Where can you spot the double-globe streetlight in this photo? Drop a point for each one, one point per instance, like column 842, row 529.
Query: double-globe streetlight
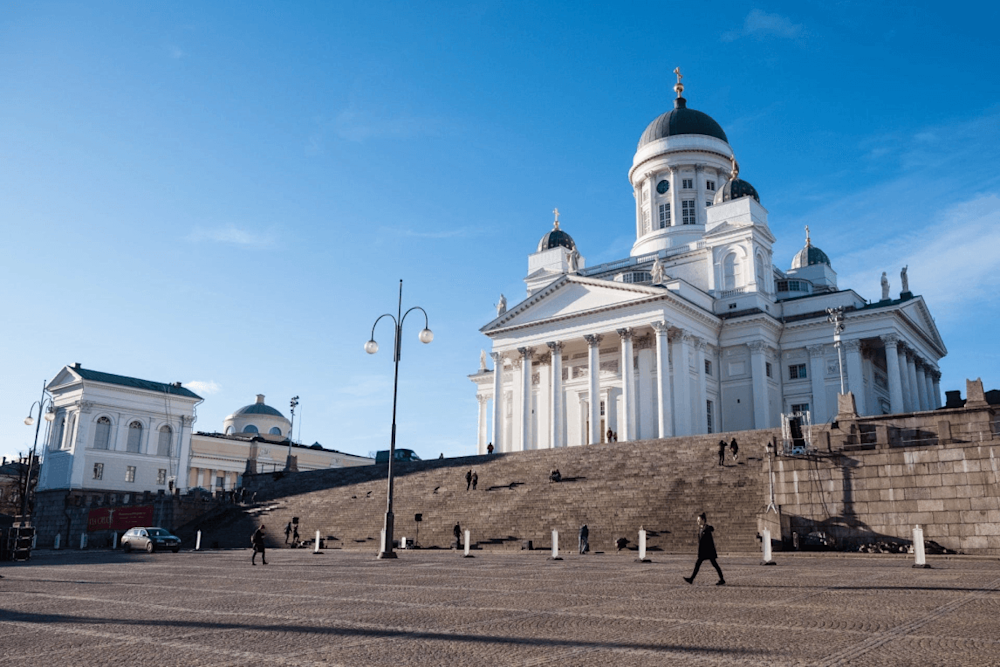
column 48, row 415
column 371, row 347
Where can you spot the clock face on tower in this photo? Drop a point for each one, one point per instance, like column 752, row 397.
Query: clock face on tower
column 662, row 187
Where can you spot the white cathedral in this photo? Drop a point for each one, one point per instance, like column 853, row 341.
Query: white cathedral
column 696, row 331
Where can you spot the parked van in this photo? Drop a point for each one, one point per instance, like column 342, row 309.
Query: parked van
column 401, row 455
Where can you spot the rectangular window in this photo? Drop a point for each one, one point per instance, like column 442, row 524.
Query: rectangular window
column 664, row 215
column 602, row 408
column 687, row 212
column 707, row 204
column 767, row 368
column 220, row 482
column 645, row 220
column 687, row 184
column 130, row 474
column 708, row 367
column 708, row 415
column 797, row 372
column 161, row 476
column 800, row 407
column 710, row 185
column 98, row 471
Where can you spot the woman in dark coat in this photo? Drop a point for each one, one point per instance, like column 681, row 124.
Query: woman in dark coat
column 706, row 550
column 257, row 541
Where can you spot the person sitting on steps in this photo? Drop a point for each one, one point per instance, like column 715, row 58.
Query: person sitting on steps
column 555, row 476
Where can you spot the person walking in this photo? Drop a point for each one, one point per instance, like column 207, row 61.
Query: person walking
column 722, row 452
column 475, row 480
column 295, row 534
column 458, row 536
column 734, row 449
column 288, row 531
column 468, row 480
column 489, row 449
column 584, row 539
column 706, row 551
column 257, row 540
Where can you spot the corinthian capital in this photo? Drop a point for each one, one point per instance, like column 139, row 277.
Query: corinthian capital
column 625, row 334
column 593, row 340
column 757, row 346
column 890, row 340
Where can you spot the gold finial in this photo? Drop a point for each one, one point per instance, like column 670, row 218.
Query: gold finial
column 678, row 87
column 556, row 223
column 808, row 242
column 736, row 168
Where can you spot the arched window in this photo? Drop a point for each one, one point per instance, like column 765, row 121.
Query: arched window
column 57, row 433
column 230, row 430
column 102, row 434
column 163, row 445
column 275, row 430
column 761, row 277
column 731, row 278
column 250, row 428
column 134, row 437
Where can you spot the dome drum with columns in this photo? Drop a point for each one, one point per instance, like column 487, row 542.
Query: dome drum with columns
column 696, row 331
column 258, row 418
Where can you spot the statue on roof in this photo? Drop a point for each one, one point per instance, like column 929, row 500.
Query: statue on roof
column 574, row 261
column 502, row 305
column 885, row 287
column 656, row 272
column 482, row 360
column 904, row 279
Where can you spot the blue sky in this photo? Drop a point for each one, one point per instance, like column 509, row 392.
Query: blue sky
column 227, row 194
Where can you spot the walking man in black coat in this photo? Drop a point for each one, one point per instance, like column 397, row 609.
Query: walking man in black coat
column 257, row 540
column 734, row 449
column 475, row 480
column 468, row 480
column 584, row 539
column 458, row 536
column 706, row 551
column 722, row 452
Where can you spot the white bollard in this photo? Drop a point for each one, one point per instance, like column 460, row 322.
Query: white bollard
column 83, row 540
column 316, row 548
column 114, row 542
column 467, row 554
column 919, row 557
column 197, row 541
column 383, row 542
column 642, row 548
column 58, row 543
column 402, row 542
column 765, row 542
column 555, row 546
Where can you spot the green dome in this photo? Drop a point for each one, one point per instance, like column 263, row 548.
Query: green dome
column 809, row 256
column 681, row 120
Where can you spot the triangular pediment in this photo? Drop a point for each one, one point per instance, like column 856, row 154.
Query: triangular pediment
column 63, row 377
column 918, row 313
column 573, row 296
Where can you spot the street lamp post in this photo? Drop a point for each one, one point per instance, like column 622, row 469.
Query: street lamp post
column 835, row 316
column 288, row 460
column 28, row 421
column 371, row 347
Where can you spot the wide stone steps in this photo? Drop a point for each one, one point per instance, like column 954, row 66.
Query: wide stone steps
column 660, row 485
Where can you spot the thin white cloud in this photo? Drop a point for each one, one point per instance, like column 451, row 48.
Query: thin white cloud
column 952, row 261
column 175, row 52
column 204, row 387
column 358, row 125
column 232, row 235
column 461, row 232
column 760, row 25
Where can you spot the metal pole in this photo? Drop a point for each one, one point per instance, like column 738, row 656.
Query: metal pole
column 27, row 478
column 387, row 551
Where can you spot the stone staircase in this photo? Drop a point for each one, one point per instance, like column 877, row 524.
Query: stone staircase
column 660, row 485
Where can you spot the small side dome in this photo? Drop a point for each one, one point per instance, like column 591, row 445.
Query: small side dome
column 259, row 408
column 735, row 189
column 810, row 255
column 556, row 237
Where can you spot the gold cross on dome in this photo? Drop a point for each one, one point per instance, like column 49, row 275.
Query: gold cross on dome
column 678, row 87
column 556, row 211
column 677, row 71
column 807, row 235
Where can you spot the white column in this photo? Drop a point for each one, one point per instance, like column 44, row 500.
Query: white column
column 758, row 373
column 675, row 196
column 936, row 382
column 646, row 419
column 855, row 374
column 627, row 426
column 922, row 386
column 911, row 368
column 891, row 342
column 525, row 443
column 904, row 378
column 817, row 377
column 557, row 434
column 594, row 393
column 482, row 430
column 497, row 399
column 701, row 409
column 681, row 344
column 664, row 412
column 701, row 213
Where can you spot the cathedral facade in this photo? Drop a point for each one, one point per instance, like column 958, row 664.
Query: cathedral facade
column 696, row 331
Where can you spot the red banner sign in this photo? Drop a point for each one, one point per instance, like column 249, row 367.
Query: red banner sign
column 119, row 518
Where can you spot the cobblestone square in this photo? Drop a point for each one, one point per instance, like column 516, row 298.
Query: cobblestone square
column 499, row 608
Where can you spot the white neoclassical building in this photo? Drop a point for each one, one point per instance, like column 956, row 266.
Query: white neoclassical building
column 696, row 331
